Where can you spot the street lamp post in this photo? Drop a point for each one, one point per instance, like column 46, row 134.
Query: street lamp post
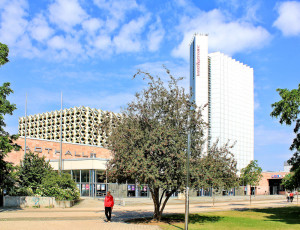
column 187, row 180
column 61, row 120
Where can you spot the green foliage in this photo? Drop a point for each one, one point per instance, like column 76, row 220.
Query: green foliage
column 288, row 181
column 292, row 180
column 3, row 54
column 36, row 177
column 288, row 110
column 8, row 176
column 251, row 174
column 32, row 171
column 21, row 191
column 217, row 169
column 62, row 187
column 6, row 141
column 149, row 142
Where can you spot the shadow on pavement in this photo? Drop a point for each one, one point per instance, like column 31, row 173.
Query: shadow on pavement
column 2, row 209
column 127, row 215
column 172, row 219
column 203, row 206
column 236, row 204
column 288, row 215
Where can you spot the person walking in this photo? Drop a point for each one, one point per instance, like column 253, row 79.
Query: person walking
column 108, row 205
column 291, row 197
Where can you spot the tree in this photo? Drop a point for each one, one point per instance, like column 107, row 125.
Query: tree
column 251, row 175
column 288, row 110
column 3, row 54
column 288, row 181
column 149, row 142
column 215, row 170
column 32, row 171
column 6, row 140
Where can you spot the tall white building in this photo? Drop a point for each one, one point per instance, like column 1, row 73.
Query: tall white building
column 226, row 87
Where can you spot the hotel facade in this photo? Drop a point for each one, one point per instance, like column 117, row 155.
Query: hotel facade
column 224, row 87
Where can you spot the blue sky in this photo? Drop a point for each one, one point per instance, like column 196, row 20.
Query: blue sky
column 91, row 49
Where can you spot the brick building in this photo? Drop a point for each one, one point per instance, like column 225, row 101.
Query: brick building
column 270, row 184
column 86, row 163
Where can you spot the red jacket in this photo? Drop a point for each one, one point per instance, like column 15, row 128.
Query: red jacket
column 109, row 201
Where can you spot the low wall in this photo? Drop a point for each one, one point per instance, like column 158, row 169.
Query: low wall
column 33, row 201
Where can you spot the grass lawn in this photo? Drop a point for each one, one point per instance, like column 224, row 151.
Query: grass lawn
column 271, row 218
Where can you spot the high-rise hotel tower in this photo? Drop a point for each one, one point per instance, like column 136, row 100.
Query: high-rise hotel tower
column 225, row 86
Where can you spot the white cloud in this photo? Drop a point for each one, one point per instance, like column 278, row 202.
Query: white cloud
column 181, row 2
column 129, row 37
column 66, row 14
column 57, row 42
column 40, row 29
column 92, row 25
column 13, row 23
column 117, row 8
column 155, row 35
column 65, row 47
column 225, row 35
column 65, row 30
column 102, row 42
column 288, row 21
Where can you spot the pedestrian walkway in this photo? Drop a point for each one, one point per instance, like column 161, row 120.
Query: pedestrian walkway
column 89, row 214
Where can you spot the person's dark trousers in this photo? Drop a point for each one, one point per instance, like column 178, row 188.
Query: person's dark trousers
column 108, row 213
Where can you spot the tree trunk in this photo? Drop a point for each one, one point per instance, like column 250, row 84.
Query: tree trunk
column 165, row 202
column 213, row 198
column 297, row 196
column 250, row 195
column 157, row 202
column 155, row 198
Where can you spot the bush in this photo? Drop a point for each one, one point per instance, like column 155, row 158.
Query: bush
column 62, row 187
column 32, row 170
column 21, row 191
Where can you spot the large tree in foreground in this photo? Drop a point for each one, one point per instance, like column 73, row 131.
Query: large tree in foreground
column 288, row 110
column 149, row 143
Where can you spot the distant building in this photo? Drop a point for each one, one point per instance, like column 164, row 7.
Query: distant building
column 80, row 125
column 225, row 87
column 286, row 167
column 270, row 184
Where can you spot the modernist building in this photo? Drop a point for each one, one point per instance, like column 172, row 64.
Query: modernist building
column 80, row 125
column 225, row 87
column 83, row 155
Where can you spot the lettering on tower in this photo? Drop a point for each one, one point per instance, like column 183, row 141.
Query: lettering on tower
column 198, row 61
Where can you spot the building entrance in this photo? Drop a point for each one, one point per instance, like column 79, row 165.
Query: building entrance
column 275, row 186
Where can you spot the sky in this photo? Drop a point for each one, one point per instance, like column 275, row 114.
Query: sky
column 90, row 50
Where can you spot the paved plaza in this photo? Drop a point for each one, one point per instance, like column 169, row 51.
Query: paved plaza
column 89, row 213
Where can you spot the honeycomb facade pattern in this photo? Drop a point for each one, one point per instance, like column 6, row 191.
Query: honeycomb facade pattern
column 79, row 125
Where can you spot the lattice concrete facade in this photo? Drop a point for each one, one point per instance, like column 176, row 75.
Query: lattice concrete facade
column 79, row 125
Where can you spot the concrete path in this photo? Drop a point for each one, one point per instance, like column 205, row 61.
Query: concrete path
column 89, row 213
